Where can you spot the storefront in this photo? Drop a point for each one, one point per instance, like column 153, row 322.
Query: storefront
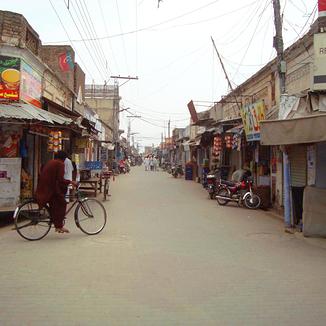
column 303, row 142
column 25, row 144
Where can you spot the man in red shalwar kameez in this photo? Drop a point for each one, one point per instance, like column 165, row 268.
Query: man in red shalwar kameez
column 51, row 189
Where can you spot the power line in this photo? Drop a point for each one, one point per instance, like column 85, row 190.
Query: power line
column 148, row 27
column 94, row 33
column 106, row 31
column 252, row 37
column 85, row 27
column 123, row 40
column 89, row 52
column 71, row 42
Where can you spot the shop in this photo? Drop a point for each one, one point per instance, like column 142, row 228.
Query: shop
column 28, row 138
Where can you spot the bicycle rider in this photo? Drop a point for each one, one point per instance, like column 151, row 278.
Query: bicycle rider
column 51, row 190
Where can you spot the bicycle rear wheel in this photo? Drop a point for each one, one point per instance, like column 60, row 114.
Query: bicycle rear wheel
column 31, row 222
column 90, row 216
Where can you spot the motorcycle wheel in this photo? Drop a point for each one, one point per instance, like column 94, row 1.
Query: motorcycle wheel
column 252, row 202
column 175, row 175
column 222, row 192
column 211, row 195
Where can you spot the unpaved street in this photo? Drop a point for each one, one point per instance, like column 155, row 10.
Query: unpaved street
column 168, row 256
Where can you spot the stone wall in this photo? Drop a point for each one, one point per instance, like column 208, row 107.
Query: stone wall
column 15, row 30
column 50, row 55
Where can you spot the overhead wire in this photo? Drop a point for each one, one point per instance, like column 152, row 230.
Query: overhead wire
column 86, row 46
column 106, row 31
column 92, row 27
column 148, row 27
column 252, row 37
column 86, row 30
column 71, row 42
column 123, row 40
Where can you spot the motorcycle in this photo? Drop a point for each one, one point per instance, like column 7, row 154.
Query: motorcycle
column 240, row 192
column 213, row 183
column 177, row 170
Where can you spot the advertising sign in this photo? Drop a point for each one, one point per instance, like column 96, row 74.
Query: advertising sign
column 31, row 85
column 10, row 78
column 319, row 71
column 251, row 115
column 321, row 8
column 192, row 111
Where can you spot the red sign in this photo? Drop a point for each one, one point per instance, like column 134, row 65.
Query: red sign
column 192, row 111
column 322, row 7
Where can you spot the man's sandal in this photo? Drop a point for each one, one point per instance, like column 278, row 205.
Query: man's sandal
column 62, row 230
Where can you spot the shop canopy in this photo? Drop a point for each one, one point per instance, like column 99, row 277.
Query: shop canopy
column 310, row 129
column 23, row 111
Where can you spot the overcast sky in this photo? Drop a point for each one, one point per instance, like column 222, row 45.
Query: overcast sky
column 169, row 48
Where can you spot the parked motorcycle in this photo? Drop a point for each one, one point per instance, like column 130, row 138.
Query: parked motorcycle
column 177, row 170
column 213, row 183
column 238, row 191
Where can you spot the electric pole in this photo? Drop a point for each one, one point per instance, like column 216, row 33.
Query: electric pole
column 278, row 44
column 169, row 128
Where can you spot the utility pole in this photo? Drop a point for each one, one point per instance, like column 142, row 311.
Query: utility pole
column 278, row 45
column 226, row 75
column 169, row 128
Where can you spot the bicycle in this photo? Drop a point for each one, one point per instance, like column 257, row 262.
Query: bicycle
column 33, row 223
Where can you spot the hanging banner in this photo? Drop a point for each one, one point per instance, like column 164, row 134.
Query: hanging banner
column 10, row 78
column 251, row 115
column 31, row 85
column 65, row 61
column 321, row 8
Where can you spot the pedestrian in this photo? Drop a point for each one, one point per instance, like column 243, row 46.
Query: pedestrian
column 146, row 163
column 51, row 190
column 151, row 163
column 155, row 164
column 69, row 169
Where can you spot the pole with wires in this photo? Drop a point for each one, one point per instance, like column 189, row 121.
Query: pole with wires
column 278, row 45
column 226, row 75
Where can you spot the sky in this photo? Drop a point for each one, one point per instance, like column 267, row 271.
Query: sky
column 168, row 47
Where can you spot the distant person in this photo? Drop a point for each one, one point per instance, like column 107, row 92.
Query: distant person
column 151, row 163
column 146, row 163
column 155, row 164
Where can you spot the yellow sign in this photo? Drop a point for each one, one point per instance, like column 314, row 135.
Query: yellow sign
column 251, row 115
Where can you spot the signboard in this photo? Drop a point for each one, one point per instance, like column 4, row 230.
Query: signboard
column 319, row 71
column 10, row 78
column 321, row 8
column 251, row 115
column 31, row 85
column 93, row 165
column 192, row 111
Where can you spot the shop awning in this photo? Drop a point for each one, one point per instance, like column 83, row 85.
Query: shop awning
column 22, row 111
column 310, row 129
column 235, row 130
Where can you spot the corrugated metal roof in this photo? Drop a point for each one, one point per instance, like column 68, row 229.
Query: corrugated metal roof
column 23, row 111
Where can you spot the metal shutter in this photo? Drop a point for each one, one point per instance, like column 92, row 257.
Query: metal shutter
column 298, row 165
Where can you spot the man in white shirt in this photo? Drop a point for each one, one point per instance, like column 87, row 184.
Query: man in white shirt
column 68, row 175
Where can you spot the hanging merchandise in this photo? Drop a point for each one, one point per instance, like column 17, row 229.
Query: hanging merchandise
column 228, row 141
column 217, row 146
column 55, row 141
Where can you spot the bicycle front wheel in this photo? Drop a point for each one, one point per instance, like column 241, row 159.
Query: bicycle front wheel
column 90, row 216
column 31, row 222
